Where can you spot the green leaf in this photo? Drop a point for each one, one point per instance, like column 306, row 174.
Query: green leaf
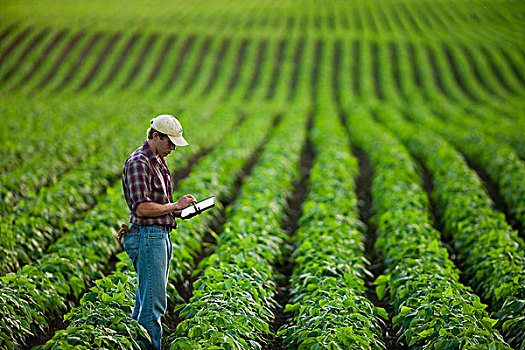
column 382, row 313
column 380, row 291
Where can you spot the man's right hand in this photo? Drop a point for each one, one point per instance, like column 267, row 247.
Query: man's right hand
column 185, row 201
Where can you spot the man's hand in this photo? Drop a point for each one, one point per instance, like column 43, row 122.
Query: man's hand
column 185, row 201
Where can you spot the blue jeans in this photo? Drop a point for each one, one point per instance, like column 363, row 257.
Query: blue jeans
column 149, row 248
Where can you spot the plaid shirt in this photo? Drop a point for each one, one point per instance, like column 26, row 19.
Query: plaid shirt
column 146, row 178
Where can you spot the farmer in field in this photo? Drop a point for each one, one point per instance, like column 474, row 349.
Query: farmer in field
column 148, row 191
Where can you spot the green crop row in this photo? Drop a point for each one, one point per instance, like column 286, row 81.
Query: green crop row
column 491, row 253
column 233, row 299
column 327, row 299
column 433, row 309
column 500, row 161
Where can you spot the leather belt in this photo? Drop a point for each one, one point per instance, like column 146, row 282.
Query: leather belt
column 164, row 227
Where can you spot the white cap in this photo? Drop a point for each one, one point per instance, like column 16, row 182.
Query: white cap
column 169, row 125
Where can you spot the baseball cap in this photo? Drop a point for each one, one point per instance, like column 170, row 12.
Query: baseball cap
column 169, row 125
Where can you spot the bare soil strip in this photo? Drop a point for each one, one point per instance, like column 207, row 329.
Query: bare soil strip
column 139, row 63
column 56, row 40
column 100, row 60
column 394, row 59
column 293, row 213
column 416, row 74
column 197, row 67
column 238, row 65
column 297, row 68
column 73, row 42
column 276, row 68
column 356, row 67
column 436, row 74
column 160, row 60
column 376, row 71
column 14, row 43
column 261, row 50
column 27, row 50
column 518, row 73
column 120, row 62
column 217, row 66
column 457, row 75
column 175, row 73
column 80, row 60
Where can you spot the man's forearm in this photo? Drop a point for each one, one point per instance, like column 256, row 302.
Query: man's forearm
column 153, row 210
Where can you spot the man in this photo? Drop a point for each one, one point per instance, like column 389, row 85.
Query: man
column 147, row 188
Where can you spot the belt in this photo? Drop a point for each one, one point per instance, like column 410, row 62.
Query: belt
column 164, row 227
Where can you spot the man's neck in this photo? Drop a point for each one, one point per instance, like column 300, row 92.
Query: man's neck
column 152, row 148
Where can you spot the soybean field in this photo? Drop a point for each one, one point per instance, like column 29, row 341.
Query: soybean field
column 368, row 159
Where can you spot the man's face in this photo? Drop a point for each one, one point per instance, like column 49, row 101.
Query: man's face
column 164, row 146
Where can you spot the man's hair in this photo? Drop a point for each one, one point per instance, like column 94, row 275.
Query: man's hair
column 151, row 131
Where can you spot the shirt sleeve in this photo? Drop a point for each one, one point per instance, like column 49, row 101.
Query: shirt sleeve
column 139, row 187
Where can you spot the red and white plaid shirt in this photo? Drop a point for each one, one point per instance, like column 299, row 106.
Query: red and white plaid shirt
column 146, row 178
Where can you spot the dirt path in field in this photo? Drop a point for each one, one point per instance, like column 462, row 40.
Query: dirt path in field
column 190, row 41
column 33, row 44
column 197, row 67
column 185, row 287
column 497, row 199
column 120, row 62
column 293, row 213
column 261, row 54
column 56, row 40
column 100, row 60
column 299, row 49
column 376, row 73
column 363, row 185
column 238, row 64
column 139, row 63
column 216, row 66
column 276, row 73
column 73, row 42
column 161, row 59
column 356, row 67
column 14, row 43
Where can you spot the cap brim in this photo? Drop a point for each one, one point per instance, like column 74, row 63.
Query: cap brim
column 178, row 140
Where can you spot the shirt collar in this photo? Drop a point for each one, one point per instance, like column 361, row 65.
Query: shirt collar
column 147, row 151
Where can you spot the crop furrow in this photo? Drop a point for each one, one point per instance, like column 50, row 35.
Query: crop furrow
column 413, row 62
column 174, row 75
column 219, row 61
column 73, row 42
column 299, row 48
column 277, row 67
column 261, row 56
column 497, row 71
column 376, row 74
column 168, row 45
column 238, row 64
column 100, row 60
column 423, row 283
column 31, row 45
column 13, row 44
column 83, row 55
column 518, row 73
column 120, row 62
column 139, row 63
column 436, row 73
column 42, row 58
column 460, row 81
column 489, row 251
column 205, row 48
